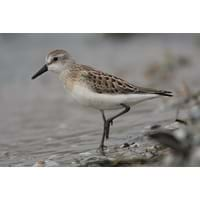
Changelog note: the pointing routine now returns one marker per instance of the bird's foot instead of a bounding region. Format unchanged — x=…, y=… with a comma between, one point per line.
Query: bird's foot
x=101, y=149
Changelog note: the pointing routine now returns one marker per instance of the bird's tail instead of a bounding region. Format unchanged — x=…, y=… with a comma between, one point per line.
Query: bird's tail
x=159, y=92
x=164, y=93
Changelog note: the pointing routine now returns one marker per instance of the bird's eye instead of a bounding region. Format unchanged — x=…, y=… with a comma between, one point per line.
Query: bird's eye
x=55, y=58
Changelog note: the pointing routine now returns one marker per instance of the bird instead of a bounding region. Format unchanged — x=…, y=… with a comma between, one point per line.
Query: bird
x=94, y=88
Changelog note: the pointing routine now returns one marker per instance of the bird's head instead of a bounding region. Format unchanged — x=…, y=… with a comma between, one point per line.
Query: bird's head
x=56, y=61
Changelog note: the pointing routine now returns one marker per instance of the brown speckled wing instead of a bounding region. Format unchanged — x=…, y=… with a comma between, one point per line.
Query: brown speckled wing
x=105, y=83
x=101, y=82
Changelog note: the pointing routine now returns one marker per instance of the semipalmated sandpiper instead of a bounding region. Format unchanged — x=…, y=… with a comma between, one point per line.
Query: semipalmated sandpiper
x=93, y=88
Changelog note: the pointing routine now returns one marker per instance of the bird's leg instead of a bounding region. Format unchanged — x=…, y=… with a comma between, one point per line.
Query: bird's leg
x=101, y=147
x=107, y=123
x=110, y=120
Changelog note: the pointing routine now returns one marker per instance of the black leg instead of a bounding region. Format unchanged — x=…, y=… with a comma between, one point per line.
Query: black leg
x=109, y=122
x=101, y=147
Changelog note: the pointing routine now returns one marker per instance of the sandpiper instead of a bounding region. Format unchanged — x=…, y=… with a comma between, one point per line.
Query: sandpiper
x=96, y=89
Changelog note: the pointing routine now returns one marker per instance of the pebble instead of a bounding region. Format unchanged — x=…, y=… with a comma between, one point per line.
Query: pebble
x=135, y=145
x=39, y=163
x=125, y=145
x=46, y=163
x=155, y=126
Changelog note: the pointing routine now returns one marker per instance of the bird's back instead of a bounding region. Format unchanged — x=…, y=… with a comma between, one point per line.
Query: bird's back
x=101, y=82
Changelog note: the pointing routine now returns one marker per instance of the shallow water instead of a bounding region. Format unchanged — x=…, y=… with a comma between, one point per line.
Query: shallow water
x=40, y=121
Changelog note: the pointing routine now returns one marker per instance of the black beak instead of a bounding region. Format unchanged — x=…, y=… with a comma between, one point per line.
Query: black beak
x=41, y=71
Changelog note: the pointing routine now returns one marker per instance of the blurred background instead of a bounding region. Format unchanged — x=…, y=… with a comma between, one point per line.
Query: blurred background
x=38, y=119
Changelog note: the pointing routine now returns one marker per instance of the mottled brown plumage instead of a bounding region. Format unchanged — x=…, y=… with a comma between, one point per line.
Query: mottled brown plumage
x=101, y=82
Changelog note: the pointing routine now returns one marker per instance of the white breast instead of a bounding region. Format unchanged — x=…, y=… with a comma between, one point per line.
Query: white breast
x=87, y=97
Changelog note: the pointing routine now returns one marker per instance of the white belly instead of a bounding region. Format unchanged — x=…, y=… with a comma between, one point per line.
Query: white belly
x=107, y=101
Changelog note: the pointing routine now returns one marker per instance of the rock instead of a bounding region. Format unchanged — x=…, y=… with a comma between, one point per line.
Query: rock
x=125, y=145
x=39, y=163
